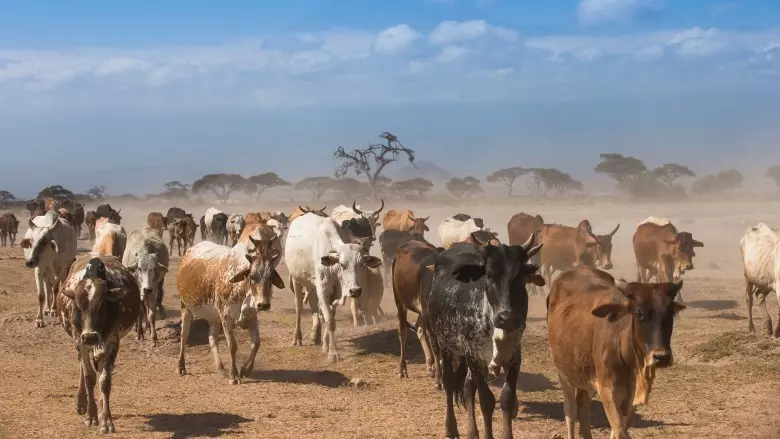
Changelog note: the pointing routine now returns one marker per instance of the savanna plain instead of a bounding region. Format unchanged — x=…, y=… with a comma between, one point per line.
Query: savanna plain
x=724, y=384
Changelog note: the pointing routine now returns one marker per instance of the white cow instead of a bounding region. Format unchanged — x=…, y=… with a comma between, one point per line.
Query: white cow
x=345, y=213
x=146, y=256
x=458, y=228
x=209, y=215
x=50, y=248
x=760, y=248
x=110, y=240
x=319, y=261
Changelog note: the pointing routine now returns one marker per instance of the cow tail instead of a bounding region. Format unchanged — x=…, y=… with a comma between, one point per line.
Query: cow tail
x=459, y=380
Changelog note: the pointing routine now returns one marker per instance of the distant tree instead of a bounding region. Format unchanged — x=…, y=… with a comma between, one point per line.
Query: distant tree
x=507, y=177
x=6, y=198
x=774, y=173
x=176, y=190
x=317, y=186
x=463, y=187
x=221, y=185
x=97, y=192
x=718, y=183
x=57, y=192
x=620, y=168
x=670, y=172
x=544, y=180
x=262, y=182
x=373, y=159
x=415, y=187
x=352, y=189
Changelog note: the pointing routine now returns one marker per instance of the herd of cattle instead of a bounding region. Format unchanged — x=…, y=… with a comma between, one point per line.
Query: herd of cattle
x=470, y=293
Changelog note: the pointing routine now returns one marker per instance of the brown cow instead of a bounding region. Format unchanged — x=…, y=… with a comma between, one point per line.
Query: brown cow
x=66, y=215
x=568, y=247
x=91, y=221
x=99, y=304
x=192, y=229
x=77, y=218
x=521, y=226
x=299, y=211
x=9, y=227
x=179, y=233
x=51, y=204
x=607, y=337
x=157, y=221
x=410, y=281
x=398, y=220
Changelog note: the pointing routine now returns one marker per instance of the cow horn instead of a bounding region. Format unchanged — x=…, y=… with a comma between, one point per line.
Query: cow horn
x=323, y=209
x=354, y=208
x=302, y=209
x=621, y=284
x=376, y=213
x=426, y=218
x=527, y=244
x=255, y=242
x=531, y=253
x=612, y=233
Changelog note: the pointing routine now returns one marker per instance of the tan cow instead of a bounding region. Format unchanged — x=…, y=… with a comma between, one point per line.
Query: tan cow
x=568, y=247
x=608, y=337
x=398, y=220
x=51, y=204
x=111, y=239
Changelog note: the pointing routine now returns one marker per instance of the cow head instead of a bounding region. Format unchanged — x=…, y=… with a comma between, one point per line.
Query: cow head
x=261, y=273
x=483, y=238
x=148, y=272
x=683, y=246
x=39, y=243
x=178, y=228
x=371, y=215
x=320, y=212
x=284, y=220
x=347, y=262
x=603, y=251
x=92, y=298
x=506, y=272
x=418, y=228
x=653, y=308
x=358, y=231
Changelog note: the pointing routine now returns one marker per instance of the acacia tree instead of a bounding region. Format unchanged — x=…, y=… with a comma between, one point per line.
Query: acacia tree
x=622, y=169
x=460, y=187
x=773, y=172
x=415, y=187
x=718, y=183
x=317, y=186
x=57, y=192
x=373, y=159
x=352, y=189
x=507, y=177
x=549, y=179
x=263, y=182
x=670, y=172
x=176, y=190
x=221, y=185
x=97, y=192
x=6, y=198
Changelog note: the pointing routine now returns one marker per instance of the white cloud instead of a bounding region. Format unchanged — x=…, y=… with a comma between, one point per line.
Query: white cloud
x=453, y=32
x=395, y=39
x=119, y=65
x=649, y=53
x=451, y=53
x=595, y=12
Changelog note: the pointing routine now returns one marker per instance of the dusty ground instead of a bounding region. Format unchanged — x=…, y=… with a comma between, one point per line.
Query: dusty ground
x=724, y=385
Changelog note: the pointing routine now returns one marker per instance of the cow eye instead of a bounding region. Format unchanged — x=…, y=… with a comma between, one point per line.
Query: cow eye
x=643, y=315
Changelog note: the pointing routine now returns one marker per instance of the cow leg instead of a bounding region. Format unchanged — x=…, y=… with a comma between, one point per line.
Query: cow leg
x=254, y=336
x=316, y=319
x=298, y=294
x=487, y=403
x=230, y=337
x=213, y=344
x=767, y=318
x=42, y=297
x=425, y=346
x=151, y=314
x=613, y=402
x=777, y=293
x=159, y=304
x=450, y=424
x=570, y=407
x=433, y=345
x=81, y=393
x=583, y=414
x=139, y=322
x=329, y=342
x=354, y=305
x=105, y=390
x=402, y=328
x=186, y=322
x=508, y=395
x=749, y=291
x=90, y=377
x=469, y=393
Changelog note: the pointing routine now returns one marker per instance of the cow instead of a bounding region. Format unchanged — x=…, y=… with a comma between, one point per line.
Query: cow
x=156, y=221
x=662, y=251
x=106, y=211
x=300, y=211
x=342, y=213
x=9, y=227
x=399, y=220
x=91, y=221
x=49, y=247
x=215, y=223
x=178, y=233
x=51, y=204
x=99, y=303
x=483, y=238
x=111, y=239
x=366, y=308
x=476, y=310
x=410, y=281
x=458, y=228
x=760, y=248
x=77, y=214
x=391, y=239
x=567, y=247
x=204, y=230
x=608, y=337
x=146, y=256
x=192, y=229
x=65, y=214
x=322, y=260
x=235, y=224
x=257, y=217
x=520, y=227
x=174, y=213
x=261, y=232
x=35, y=208
x=227, y=287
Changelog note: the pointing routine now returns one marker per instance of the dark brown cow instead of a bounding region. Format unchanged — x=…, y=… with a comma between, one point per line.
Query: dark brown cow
x=568, y=247
x=9, y=227
x=391, y=239
x=99, y=304
x=410, y=280
x=35, y=208
x=77, y=218
x=627, y=329
x=157, y=221
x=300, y=210
x=179, y=233
x=91, y=221
x=109, y=213
x=192, y=229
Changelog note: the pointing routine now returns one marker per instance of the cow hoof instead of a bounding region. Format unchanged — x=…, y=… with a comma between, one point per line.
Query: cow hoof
x=232, y=381
x=431, y=373
x=81, y=409
x=108, y=427
x=91, y=422
x=297, y=342
x=182, y=371
x=155, y=343
x=39, y=323
x=437, y=386
x=333, y=358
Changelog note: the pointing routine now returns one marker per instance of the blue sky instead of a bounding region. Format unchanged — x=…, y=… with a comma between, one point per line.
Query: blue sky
x=145, y=91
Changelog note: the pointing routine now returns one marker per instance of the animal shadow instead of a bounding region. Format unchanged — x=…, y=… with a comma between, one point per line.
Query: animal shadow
x=598, y=418
x=386, y=342
x=729, y=316
x=327, y=378
x=187, y=425
x=199, y=331
x=713, y=305
x=527, y=382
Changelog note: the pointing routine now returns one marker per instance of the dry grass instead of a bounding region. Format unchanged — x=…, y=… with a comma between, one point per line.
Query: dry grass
x=723, y=385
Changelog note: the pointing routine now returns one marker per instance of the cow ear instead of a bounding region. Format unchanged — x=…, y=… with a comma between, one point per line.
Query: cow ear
x=425, y=227
x=116, y=294
x=624, y=289
x=238, y=277
x=537, y=280
x=69, y=294
x=469, y=273
x=372, y=262
x=162, y=267
x=329, y=260
x=276, y=280
x=53, y=245
x=26, y=243
x=612, y=311
x=698, y=243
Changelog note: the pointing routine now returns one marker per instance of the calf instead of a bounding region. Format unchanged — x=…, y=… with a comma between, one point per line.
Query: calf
x=760, y=247
x=9, y=227
x=608, y=337
x=91, y=221
x=157, y=221
x=49, y=247
x=111, y=239
x=146, y=256
x=300, y=211
x=227, y=286
x=235, y=224
x=458, y=228
x=476, y=310
x=320, y=259
x=98, y=306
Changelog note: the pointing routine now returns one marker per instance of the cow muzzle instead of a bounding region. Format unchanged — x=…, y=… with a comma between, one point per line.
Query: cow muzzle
x=355, y=292
x=31, y=263
x=504, y=320
x=263, y=306
x=608, y=266
x=146, y=292
x=660, y=359
x=89, y=338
